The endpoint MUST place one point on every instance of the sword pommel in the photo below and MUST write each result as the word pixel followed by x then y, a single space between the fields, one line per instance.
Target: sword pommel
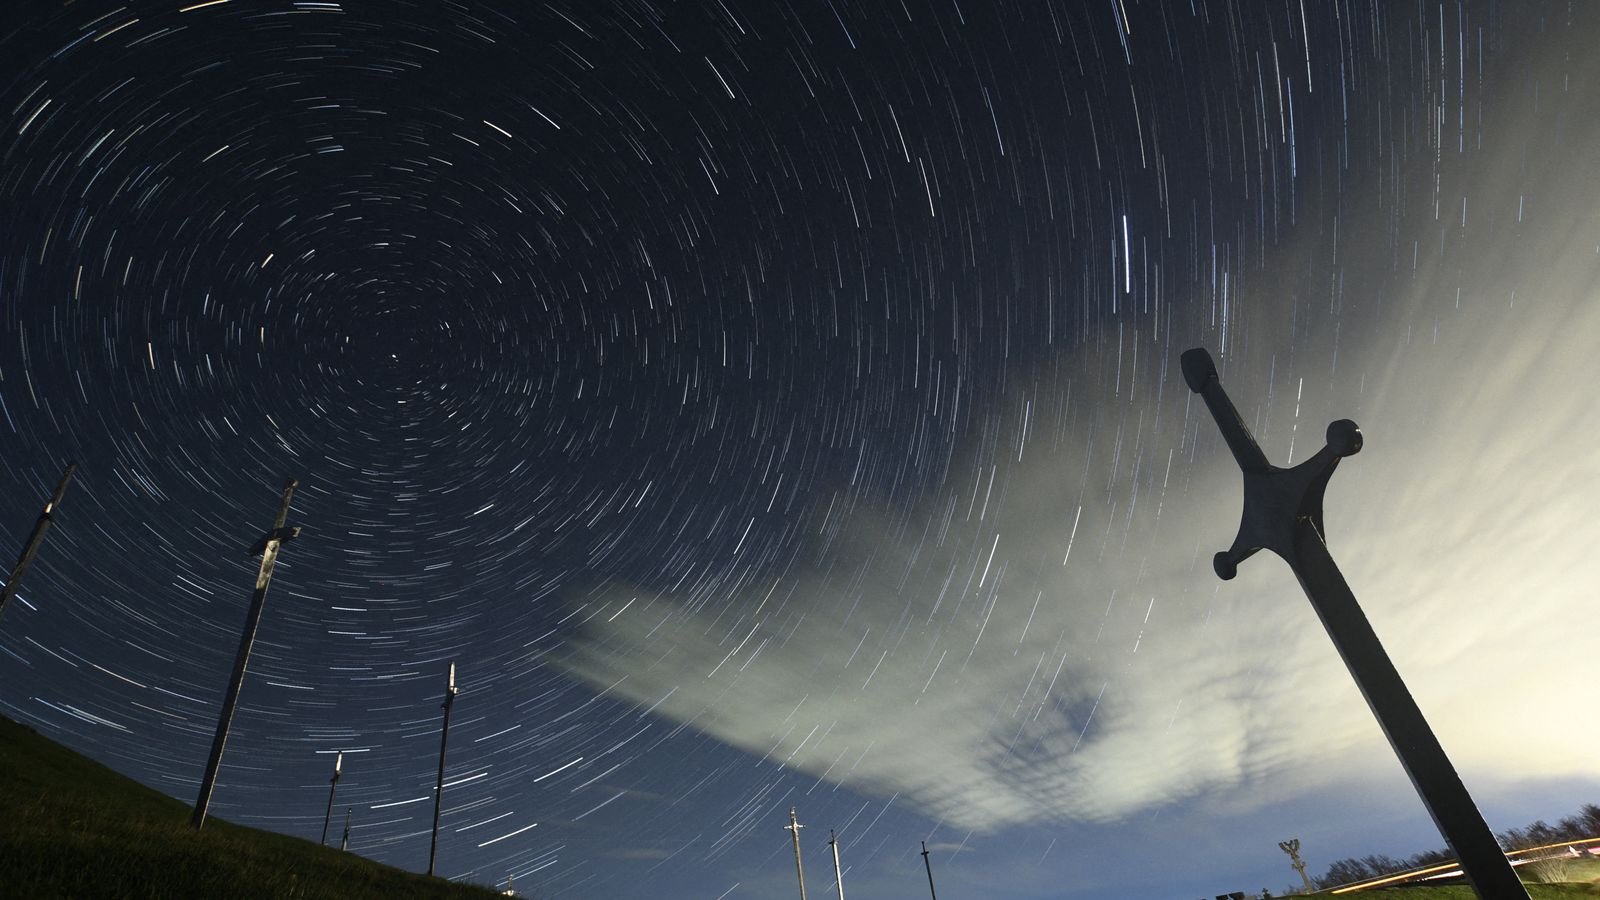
pixel 1198 368
pixel 1344 438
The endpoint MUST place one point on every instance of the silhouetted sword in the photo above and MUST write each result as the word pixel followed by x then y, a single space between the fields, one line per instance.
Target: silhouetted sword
pixel 1283 513
pixel 799 867
pixel 267 548
pixel 31 548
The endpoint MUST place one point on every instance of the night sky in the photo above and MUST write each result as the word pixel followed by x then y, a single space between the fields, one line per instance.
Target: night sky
pixel 776 404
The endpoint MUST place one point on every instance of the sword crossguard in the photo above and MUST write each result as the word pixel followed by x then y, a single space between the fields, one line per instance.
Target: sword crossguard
pixel 1276 500
pixel 280 535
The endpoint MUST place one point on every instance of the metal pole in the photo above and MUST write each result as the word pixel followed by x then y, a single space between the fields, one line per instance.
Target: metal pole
pixel 929 866
pixel 444 741
pixel 838 876
pixel 333 786
pixel 1283 513
pixel 344 843
pixel 268 548
pixel 800 870
pixel 31 548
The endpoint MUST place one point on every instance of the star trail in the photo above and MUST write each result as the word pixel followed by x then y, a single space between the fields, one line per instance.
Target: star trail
pixel 772 404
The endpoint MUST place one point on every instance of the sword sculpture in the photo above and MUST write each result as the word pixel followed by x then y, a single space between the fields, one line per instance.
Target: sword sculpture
pixel 1283 513
pixel 450 692
pixel 333 785
pixel 267 547
pixel 799 868
pixel 31 548
pixel 838 875
pixel 1292 847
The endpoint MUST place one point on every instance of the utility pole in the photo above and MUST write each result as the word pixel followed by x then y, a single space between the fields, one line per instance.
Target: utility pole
pixel 333 786
pixel 31 548
pixel 1292 847
pixel 344 842
pixel 444 741
pixel 268 548
pixel 838 876
pixel 800 870
pixel 1283 513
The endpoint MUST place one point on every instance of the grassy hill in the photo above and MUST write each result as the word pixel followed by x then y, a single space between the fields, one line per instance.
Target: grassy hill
pixel 74 828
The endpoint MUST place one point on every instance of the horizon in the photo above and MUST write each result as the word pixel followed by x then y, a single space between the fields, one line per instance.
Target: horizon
pixel 772 406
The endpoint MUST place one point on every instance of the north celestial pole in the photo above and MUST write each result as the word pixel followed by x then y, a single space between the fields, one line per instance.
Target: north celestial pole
pixel 776 404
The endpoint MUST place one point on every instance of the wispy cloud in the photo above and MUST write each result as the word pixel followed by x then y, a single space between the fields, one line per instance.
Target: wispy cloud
pixel 1042 638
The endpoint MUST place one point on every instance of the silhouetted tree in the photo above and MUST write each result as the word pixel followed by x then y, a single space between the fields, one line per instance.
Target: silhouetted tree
pixel 1590 814
pixel 1586 824
pixel 1343 871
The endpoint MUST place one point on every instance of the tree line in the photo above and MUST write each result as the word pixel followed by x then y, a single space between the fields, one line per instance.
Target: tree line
pixel 1585 824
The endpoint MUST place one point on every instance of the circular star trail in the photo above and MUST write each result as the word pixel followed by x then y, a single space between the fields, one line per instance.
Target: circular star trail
pixel 763 404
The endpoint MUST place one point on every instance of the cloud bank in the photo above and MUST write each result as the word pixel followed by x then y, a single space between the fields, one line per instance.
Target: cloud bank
pixel 1041 638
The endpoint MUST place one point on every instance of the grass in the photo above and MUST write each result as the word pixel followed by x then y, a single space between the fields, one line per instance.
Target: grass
pixel 74 828
pixel 1564 870
pixel 1569 878
pixel 1462 892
